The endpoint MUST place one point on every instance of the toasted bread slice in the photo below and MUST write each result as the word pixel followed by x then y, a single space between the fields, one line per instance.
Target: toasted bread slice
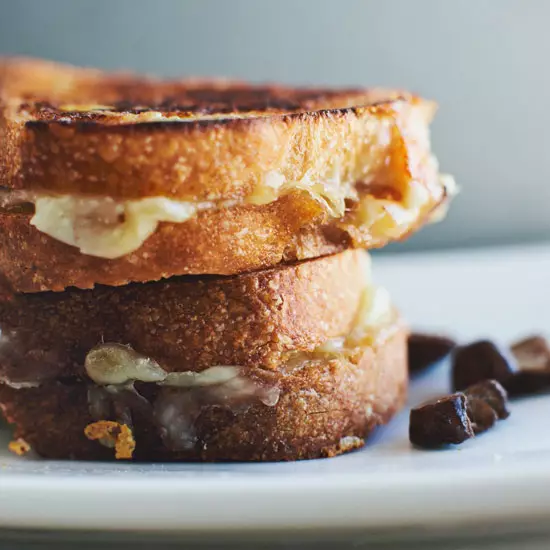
pixel 325 407
pixel 241 239
pixel 113 166
pixel 189 324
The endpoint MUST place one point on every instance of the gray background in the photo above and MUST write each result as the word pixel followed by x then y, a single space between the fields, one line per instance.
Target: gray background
pixel 484 61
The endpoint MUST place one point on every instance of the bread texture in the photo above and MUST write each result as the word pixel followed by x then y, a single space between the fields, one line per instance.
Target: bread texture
pixel 192 140
pixel 185 323
pixel 180 268
pixel 327 406
pixel 269 174
pixel 223 242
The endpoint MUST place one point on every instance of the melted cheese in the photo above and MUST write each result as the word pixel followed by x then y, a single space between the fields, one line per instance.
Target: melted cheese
pixel 109 229
pixel 387 218
pixel 375 313
pixel 114 364
pixel 106 228
pixel 330 193
pixel 451 190
pixel 116 367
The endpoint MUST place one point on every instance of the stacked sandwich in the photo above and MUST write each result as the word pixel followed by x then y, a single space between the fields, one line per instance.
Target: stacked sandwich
pixel 183 273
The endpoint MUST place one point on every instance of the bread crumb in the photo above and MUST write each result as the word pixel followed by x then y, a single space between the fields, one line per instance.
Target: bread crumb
pixel 19 446
pixel 350 442
pixel 112 433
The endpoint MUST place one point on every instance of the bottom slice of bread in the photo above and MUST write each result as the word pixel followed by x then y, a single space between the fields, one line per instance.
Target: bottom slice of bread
pixel 323 404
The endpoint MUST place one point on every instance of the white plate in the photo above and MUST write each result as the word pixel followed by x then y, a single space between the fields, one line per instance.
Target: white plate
pixel 502 476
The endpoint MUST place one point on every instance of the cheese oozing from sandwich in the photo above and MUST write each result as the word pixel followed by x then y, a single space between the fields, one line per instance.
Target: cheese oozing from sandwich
pixel 109 228
pixel 104 227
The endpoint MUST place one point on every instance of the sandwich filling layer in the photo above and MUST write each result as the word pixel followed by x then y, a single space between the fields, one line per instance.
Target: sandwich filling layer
pixel 322 409
pixel 180 397
pixel 108 228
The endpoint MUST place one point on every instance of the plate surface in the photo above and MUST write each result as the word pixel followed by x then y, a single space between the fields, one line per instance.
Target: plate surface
pixel 500 477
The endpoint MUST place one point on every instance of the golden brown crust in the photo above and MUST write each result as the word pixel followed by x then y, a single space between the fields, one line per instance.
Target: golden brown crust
pixel 213 243
pixel 185 323
pixel 122 152
pixel 45 84
pixel 323 409
pixel 211 161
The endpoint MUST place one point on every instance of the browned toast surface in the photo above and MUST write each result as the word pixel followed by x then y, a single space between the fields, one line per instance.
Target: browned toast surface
pixel 325 408
pixel 187 323
pixel 242 239
pixel 83 131
pixel 48 90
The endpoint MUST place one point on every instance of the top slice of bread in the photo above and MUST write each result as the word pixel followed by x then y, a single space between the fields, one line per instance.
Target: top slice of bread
pixel 82 131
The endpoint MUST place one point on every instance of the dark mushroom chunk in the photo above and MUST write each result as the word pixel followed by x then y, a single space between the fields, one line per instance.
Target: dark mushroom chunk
pixel 525 383
pixel 532 353
pixel 481 414
pixel 479 361
pixel 426 349
pixel 493 394
pixel 533 357
pixel 441 422
pixel 457 417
